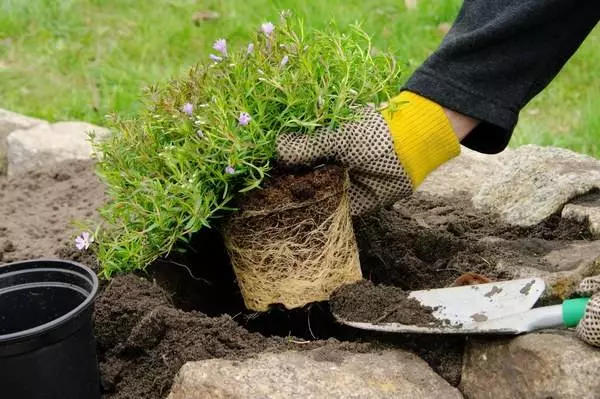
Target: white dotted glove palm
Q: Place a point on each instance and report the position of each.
(588, 329)
(365, 148)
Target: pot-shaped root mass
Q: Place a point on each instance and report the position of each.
(293, 243)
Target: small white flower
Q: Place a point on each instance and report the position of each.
(83, 241)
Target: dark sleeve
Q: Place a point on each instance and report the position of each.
(497, 56)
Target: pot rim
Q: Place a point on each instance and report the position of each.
(54, 264)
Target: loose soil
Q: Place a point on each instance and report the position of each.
(188, 306)
(367, 302)
(37, 208)
(429, 242)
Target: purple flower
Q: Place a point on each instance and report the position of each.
(221, 46)
(244, 118)
(267, 28)
(284, 60)
(250, 48)
(229, 170)
(83, 241)
(188, 108)
(215, 58)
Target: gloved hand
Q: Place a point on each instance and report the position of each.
(387, 154)
(377, 177)
(588, 329)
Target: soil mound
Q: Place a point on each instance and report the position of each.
(143, 340)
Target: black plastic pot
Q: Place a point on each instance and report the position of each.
(47, 346)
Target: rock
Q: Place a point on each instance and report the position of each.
(45, 144)
(562, 268)
(538, 365)
(9, 122)
(463, 174)
(586, 208)
(535, 182)
(320, 373)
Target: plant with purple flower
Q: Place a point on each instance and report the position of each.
(210, 134)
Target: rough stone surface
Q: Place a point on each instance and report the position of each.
(587, 210)
(9, 122)
(539, 365)
(45, 145)
(313, 374)
(565, 269)
(535, 182)
(463, 174)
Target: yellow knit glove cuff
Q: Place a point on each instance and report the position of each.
(422, 135)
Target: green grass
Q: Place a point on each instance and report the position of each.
(83, 59)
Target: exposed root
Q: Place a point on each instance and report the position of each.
(294, 256)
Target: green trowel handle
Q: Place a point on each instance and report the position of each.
(573, 311)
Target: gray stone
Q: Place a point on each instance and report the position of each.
(464, 174)
(562, 268)
(536, 182)
(46, 144)
(320, 373)
(9, 122)
(585, 210)
(537, 365)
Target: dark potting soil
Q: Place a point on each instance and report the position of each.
(367, 302)
(286, 199)
(143, 339)
(294, 187)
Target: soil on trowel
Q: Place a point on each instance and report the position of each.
(366, 302)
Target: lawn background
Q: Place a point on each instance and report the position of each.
(83, 59)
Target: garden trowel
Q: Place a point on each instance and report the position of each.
(493, 308)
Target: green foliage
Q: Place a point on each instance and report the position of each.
(174, 168)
